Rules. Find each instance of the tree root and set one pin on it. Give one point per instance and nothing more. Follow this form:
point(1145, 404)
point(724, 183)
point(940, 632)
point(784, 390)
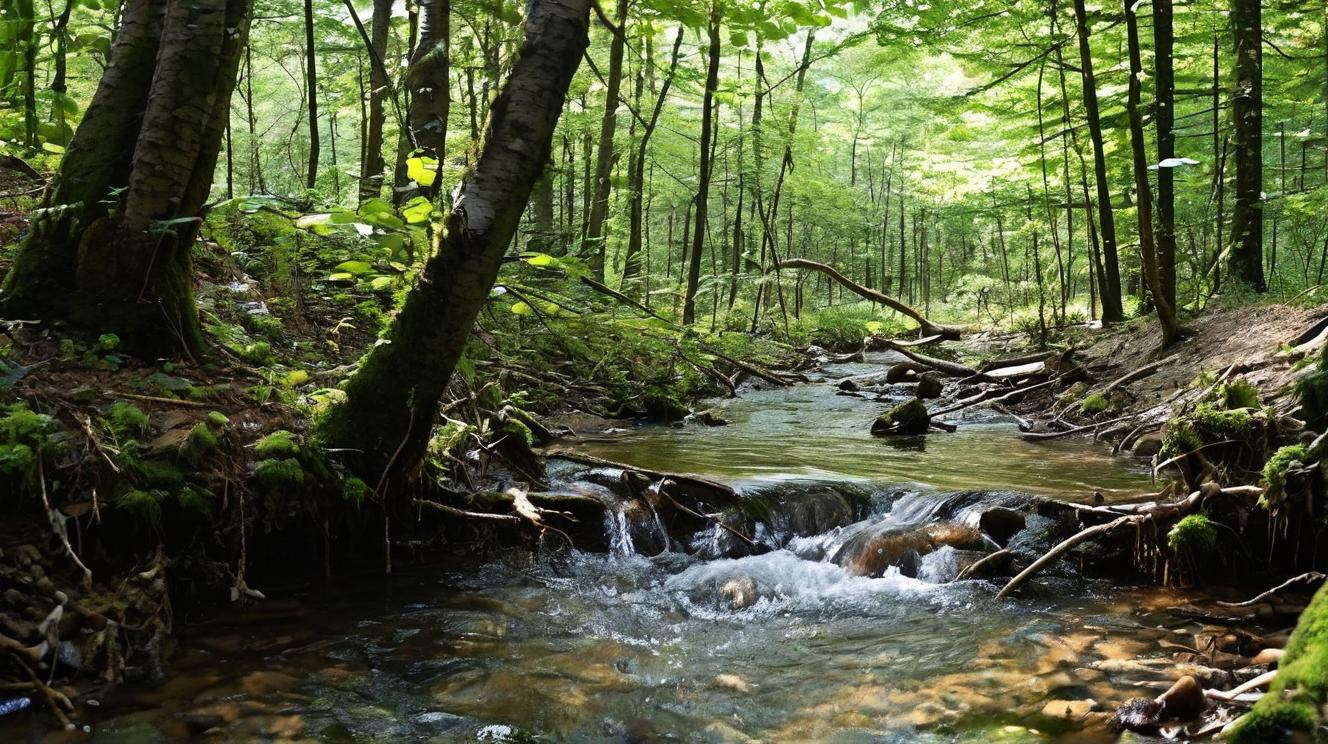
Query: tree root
point(1144, 513)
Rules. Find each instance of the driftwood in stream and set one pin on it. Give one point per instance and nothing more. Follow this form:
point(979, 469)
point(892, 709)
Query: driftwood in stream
point(952, 369)
point(1144, 513)
point(927, 327)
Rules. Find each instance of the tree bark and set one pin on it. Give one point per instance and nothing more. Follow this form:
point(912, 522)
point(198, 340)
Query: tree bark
point(1165, 116)
point(428, 84)
point(1109, 279)
point(151, 136)
point(372, 164)
point(605, 156)
point(1247, 117)
point(1148, 250)
point(392, 400)
point(632, 261)
point(703, 179)
point(311, 94)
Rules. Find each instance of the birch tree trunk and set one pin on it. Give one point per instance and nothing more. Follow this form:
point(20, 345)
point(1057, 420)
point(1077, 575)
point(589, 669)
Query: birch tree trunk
point(392, 400)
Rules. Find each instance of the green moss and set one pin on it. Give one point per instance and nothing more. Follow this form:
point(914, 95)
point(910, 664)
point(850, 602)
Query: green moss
point(1181, 438)
point(17, 461)
point(127, 419)
point(278, 475)
point(22, 425)
point(1094, 404)
point(258, 352)
point(148, 473)
point(1312, 392)
point(1238, 393)
point(1194, 535)
point(355, 491)
point(217, 419)
point(200, 443)
point(1290, 710)
point(280, 443)
point(195, 500)
point(518, 429)
point(143, 505)
point(1274, 471)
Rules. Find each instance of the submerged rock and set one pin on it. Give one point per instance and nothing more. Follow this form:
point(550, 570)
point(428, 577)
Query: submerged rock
point(741, 592)
point(909, 417)
point(1001, 523)
point(871, 554)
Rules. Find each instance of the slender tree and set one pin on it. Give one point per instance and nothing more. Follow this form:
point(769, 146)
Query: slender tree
point(703, 179)
point(636, 176)
point(371, 161)
point(1109, 285)
point(1247, 119)
point(311, 94)
point(392, 400)
point(605, 156)
point(1164, 114)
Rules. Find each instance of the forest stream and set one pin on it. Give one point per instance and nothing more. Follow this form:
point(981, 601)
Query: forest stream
point(623, 647)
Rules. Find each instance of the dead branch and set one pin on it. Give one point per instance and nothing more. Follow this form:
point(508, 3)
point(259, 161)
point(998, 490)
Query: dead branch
point(982, 563)
point(927, 327)
point(952, 369)
point(659, 489)
point(1311, 580)
point(463, 514)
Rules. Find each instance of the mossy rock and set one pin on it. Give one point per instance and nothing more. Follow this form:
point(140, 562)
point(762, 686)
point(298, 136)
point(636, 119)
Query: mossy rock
point(278, 444)
point(279, 474)
point(1094, 404)
point(1291, 711)
point(909, 417)
point(127, 419)
point(930, 386)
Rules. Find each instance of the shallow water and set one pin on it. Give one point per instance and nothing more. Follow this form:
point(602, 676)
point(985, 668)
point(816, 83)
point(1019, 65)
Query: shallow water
point(814, 430)
point(622, 647)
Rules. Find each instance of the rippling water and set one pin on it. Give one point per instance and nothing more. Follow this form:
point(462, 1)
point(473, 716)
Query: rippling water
point(625, 648)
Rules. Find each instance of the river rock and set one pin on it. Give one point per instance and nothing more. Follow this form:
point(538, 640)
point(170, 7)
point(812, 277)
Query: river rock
point(1001, 523)
point(1072, 710)
point(909, 417)
point(871, 554)
point(848, 385)
point(1147, 445)
point(741, 592)
point(930, 386)
point(1185, 700)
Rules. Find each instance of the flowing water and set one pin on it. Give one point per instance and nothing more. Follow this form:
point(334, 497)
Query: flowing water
point(622, 647)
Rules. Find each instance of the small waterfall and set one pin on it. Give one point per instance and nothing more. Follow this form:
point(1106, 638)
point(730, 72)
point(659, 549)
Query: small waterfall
point(619, 532)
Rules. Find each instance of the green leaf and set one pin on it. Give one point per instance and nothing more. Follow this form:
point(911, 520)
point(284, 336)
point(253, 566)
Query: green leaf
point(422, 170)
point(417, 210)
point(53, 148)
point(355, 267)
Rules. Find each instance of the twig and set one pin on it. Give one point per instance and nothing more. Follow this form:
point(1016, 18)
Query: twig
point(1312, 578)
point(462, 513)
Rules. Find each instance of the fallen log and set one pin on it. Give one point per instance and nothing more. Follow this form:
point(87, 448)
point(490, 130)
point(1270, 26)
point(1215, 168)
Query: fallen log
point(1016, 371)
point(927, 327)
point(1134, 374)
point(993, 395)
point(951, 369)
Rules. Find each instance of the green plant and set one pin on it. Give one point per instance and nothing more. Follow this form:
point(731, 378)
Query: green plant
point(1193, 535)
point(280, 443)
point(127, 419)
point(1094, 404)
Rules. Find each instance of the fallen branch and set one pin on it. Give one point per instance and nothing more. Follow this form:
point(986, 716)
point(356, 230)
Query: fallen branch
point(982, 563)
point(1253, 684)
point(993, 395)
point(1041, 436)
point(1311, 579)
point(659, 489)
point(928, 327)
point(463, 514)
point(1080, 537)
point(694, 480)
point(1134, 374)
point(953, 369)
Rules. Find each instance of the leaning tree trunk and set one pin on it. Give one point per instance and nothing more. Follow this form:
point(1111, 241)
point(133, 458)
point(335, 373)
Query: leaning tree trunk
point(392, 400)
point(605, 155)
point(111, 251)
point(1109, 279)
point(1247, 116)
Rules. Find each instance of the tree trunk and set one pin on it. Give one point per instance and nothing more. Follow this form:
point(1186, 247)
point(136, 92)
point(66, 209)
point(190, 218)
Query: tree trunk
point(311, 91)
point(1247, 117)
point(1148, 251)
point(152, 134)
point(392, 400)
point(1165, 116)
point(428, 85)
point(371, 163)
point(1109, 280)
point(605, 155)
point(636, 178)
point(703, 180)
